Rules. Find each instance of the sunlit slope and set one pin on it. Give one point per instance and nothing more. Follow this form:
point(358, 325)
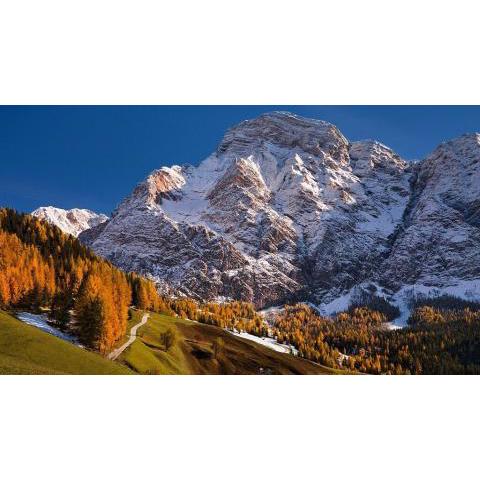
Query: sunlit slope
point(194, 352)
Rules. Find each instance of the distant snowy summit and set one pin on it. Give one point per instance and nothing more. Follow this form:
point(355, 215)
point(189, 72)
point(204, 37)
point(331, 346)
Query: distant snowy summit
point(73, 221)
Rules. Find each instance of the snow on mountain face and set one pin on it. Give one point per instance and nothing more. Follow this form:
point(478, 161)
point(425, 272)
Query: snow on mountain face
point(439, 243)
point(287, 208)
point(72, 221)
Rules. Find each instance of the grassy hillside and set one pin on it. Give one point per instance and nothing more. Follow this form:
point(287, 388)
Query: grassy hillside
point(193, 353)
point(27, 350)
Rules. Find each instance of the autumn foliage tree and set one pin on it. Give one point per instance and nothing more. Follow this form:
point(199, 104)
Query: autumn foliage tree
point(145, 295)
point(102, 307)
point(26, 277)
point(169, 338)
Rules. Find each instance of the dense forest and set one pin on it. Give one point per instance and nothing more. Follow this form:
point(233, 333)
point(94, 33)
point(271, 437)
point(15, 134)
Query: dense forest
point(41, 268)
point(437, 340)
point(234, 315)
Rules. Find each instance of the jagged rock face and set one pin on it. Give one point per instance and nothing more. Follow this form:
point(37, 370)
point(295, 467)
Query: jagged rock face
point(72, 221)
point(287, 208)
point(357, 230)
point(439, 242)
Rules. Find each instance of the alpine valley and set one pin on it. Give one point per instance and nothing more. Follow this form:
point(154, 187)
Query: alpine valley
point(290, 249)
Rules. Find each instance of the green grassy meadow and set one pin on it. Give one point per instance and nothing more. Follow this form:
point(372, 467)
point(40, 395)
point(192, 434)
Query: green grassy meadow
point(25, 349)
point(193, 352)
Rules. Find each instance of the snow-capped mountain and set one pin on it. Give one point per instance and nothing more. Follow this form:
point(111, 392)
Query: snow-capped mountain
point(72, 221)
point(287, 208)
point(438, 244)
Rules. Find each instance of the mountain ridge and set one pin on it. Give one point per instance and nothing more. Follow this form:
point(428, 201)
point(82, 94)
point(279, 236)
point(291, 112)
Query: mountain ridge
point(287, 208)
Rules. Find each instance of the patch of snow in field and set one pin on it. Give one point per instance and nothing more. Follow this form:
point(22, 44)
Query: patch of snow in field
point(396, 324)
point(267, 342)
point(271, 312)
point(41, 322)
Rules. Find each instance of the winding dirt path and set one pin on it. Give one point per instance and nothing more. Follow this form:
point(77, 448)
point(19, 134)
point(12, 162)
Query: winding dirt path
point(133, 335)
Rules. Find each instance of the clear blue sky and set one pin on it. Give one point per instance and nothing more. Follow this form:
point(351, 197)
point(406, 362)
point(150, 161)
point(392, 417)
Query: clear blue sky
point(92, 157)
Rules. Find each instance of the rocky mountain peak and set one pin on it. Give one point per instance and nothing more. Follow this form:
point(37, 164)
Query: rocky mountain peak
point(369, 154)
point(283, 130)
point(287, 208)
point(439, 243)
point(463, 144)
point(164, 183)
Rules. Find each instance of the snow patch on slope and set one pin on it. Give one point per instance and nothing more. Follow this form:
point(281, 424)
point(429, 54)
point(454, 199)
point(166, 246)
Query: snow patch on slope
point(41, 322)
point(267, 342)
